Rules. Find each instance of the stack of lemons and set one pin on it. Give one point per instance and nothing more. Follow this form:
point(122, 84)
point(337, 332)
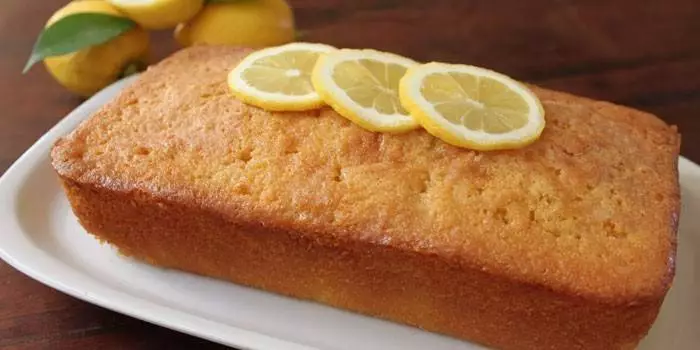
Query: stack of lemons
point(463, 105)
point(251, 23)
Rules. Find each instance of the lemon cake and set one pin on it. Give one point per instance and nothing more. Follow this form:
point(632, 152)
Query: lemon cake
point(568, 243)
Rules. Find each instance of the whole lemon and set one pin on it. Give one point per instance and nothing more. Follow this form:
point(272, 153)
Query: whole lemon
point(158, 14)
point(253, 23)
point(87, 71)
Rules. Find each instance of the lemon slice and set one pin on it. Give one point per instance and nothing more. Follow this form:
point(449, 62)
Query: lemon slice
point(363, 86)
point(159, 14)
point(279, 78)
point(472, 107)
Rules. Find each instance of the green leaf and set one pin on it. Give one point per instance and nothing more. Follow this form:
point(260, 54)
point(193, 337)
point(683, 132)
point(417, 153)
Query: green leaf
point(75, 32)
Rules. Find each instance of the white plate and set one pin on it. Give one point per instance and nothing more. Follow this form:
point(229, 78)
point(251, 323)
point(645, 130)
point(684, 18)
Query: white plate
point(40, 237)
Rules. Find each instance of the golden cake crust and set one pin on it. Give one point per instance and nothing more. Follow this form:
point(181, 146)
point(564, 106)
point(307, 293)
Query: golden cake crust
point(584, 218)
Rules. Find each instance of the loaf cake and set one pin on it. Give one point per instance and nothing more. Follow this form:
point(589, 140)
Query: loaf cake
point(568, 243)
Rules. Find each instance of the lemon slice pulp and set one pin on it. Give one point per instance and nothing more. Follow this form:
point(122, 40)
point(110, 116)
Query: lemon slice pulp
point(472, 107)
point(279, 78)
point(363, 86)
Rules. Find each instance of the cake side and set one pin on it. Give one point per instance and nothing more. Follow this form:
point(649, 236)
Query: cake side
point(378, 280)
point(589, 210)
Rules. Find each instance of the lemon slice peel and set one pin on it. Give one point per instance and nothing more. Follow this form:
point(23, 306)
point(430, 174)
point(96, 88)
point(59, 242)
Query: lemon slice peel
point(277, 101)
point(339, 99)
point(425, 111)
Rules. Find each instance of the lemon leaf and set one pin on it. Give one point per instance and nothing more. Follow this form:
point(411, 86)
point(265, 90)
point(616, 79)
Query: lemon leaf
point(75, 32)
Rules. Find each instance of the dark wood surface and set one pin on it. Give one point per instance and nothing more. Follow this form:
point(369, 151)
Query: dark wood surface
point(641, 53)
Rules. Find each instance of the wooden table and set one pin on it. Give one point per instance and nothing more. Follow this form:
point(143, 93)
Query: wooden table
point(642, 53)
